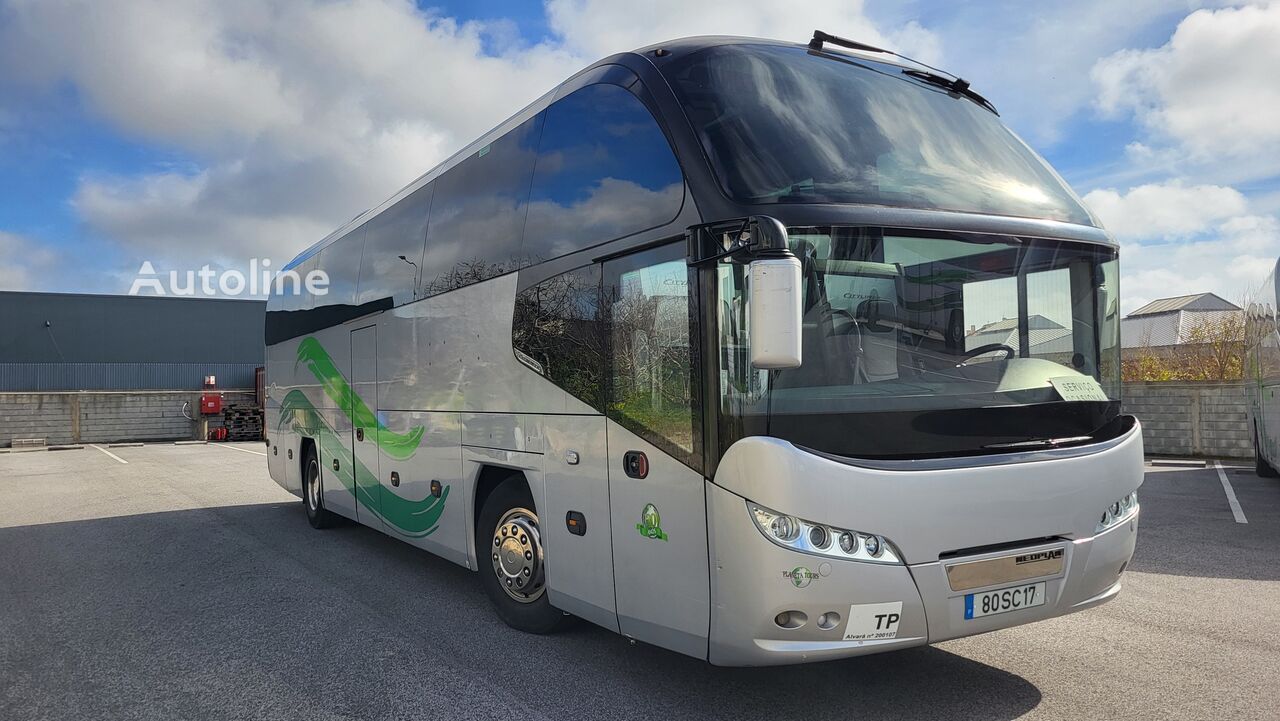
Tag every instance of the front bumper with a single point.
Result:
(754, 580)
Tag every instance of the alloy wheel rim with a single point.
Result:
(516, 555)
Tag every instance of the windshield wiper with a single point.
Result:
(1040, 442)
(955, 85)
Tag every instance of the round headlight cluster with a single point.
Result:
(1118, 511)
(816, 538)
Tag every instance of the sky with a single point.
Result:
(194, 132)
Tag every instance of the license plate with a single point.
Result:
(1014, 598)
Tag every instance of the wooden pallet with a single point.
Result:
(243, 423)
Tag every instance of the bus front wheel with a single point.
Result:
(511, 560)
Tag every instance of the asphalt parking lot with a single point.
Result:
(181, 582)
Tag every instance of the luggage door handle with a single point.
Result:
(360, 435)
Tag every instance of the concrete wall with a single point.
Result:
(1192, 419)
(104, 417)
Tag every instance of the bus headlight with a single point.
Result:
(1118, 512)
(809, 537)
(784, 528)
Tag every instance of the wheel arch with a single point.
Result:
(304, 443)
(488, 480)
(483, 479)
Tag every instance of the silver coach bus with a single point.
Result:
(1262, 374)
(756, 351)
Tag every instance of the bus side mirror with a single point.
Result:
(775, 310)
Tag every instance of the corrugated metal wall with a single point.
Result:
(72, 342)
(122, 376)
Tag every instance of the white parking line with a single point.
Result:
(109, 453)
(1231, 494)
(242, 450)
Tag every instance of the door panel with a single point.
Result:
(576, 477)
(410, 511)
(659, 547)
(656, 497)
(364, 424)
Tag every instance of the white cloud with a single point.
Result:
(1162, 210)
(1033, 63)
(24, 263)
(1178, 239)
(1210, 91)
(596, 28)
(1230, 259)
(298, 115)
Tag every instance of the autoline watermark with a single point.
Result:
(258, 280)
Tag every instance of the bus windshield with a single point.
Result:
(930, 344)
(783, 125)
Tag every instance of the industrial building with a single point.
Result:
(80, 368)
(1168, 322)
(78, 342)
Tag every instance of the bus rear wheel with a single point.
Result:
(313, 491)
(512, 562)
(1260, 465)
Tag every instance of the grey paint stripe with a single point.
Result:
(109, 453)
(1231, 494)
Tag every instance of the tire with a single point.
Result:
(313, 491)
(1260, 465)
(510, 553)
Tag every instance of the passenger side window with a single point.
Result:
(341, 262)
(391, 268)
(653, 389)
(604, 170)
(478, 213)
(557, 332)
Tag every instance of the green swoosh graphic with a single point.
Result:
(396, 445)
(409, 518)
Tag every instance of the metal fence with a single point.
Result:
(35, 377)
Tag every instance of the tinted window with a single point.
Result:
(557, 332)
(390, 268)
(783, 125)
(341, 262)
(652, 348)
(478, 213)
(289, 313)
(604, 170)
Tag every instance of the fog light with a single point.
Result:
(828, 620)
(790, 619)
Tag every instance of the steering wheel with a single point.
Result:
(984, 349)
(851, 323)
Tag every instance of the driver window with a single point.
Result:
(652, 347)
